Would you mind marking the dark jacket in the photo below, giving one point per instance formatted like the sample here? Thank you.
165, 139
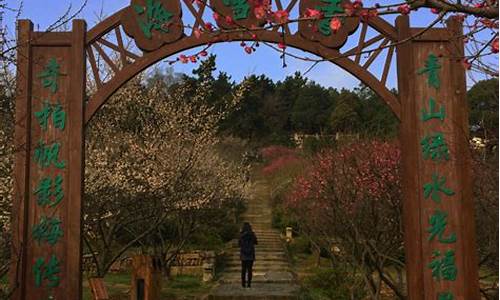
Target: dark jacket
247, 243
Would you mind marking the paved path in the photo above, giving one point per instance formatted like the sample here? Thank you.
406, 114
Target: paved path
272, 275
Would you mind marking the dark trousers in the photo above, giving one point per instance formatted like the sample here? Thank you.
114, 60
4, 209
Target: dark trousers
246, 272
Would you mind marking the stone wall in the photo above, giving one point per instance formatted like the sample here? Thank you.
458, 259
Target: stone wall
194, 263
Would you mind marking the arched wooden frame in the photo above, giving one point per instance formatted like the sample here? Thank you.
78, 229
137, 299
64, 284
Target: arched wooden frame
411, 46
126, 71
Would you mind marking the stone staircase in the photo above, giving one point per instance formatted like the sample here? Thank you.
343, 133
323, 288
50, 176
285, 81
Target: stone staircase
272, 275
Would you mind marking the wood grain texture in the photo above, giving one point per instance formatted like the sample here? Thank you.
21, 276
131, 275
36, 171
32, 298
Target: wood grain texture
415, 93
21, 159
68, 50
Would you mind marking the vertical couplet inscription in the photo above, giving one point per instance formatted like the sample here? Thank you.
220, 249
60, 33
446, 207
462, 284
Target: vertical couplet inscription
435, 151
49, 164
46, 224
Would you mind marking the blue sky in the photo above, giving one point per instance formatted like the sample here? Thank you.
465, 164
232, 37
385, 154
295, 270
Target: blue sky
230, 57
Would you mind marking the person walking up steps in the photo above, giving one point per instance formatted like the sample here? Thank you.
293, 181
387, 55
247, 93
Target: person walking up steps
247, 243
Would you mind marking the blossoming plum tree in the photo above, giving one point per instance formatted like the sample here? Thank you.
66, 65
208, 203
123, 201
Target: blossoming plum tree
150, 158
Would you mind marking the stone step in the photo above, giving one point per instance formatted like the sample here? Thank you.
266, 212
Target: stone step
260, 264
261, 256
270, 244
262, 226
268, 241
262, 260
258, 277
268, 236
269, 248
259, 251
258, 291
273, 278
258, 211
266, 231
230, 271
257, 222
235, 260
265, 237
255, 214
256, 202
263, 244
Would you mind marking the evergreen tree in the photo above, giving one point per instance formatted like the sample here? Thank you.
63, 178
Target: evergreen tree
483, 104
376, 117
346, 115
312, 109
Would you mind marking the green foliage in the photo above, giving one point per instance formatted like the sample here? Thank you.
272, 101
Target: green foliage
271, 113
312, 109
179, 287
313, 145
281, 220
333, 283
346, 115
299, 245
483, 103
377, 118
7, 103
185, 282
249, 121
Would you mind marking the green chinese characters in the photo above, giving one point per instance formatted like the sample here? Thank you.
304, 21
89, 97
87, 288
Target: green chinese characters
153, 17
435, 187
329, 10
432, 68
432, 113
48, 191
443, 265
47, 230
446, 296
47, 272
46, 155
437, 227
50, 75
58, 116
435, 148
241, 8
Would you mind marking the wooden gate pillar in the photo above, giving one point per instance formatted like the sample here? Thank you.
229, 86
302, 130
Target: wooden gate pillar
438, 207
48, 168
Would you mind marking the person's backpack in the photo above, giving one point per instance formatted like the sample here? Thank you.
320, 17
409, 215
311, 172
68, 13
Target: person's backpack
247, 244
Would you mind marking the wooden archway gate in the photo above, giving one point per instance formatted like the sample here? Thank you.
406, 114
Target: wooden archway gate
51, 113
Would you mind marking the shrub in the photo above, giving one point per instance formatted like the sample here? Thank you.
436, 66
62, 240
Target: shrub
313, 145
299, 245
333, 283
281, 220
